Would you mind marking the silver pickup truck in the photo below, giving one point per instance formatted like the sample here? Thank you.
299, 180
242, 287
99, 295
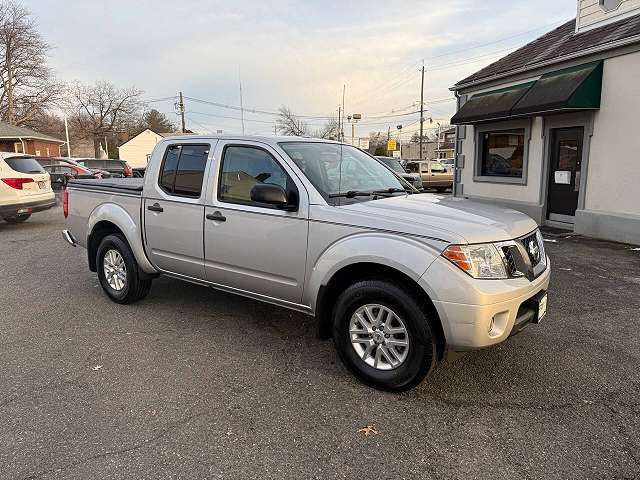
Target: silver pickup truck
397, 278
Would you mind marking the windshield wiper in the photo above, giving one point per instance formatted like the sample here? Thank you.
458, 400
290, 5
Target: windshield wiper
393, 190
351, 194
356, 193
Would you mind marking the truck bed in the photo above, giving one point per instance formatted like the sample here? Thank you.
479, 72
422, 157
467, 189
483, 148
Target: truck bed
131, 186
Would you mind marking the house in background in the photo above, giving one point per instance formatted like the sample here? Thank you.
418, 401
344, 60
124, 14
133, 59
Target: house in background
24, 140
446, 144
551, 129
137, 150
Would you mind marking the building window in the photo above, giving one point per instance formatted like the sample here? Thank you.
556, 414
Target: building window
609, 5
502, 153
18, 147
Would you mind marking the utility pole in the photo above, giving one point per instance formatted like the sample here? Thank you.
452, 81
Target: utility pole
181, 111
421, 110
241, 108
344, 89
106, 147
339, 121
66, 131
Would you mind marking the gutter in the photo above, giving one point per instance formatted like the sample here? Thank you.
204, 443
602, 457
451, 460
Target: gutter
553, 61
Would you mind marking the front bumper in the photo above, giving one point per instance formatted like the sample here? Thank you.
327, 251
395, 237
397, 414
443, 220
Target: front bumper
27, 207
481, 313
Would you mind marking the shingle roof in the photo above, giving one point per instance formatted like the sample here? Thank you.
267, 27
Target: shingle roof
11, 131
558, 44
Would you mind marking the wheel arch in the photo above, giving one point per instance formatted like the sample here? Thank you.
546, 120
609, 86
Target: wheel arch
349, 274
107, 219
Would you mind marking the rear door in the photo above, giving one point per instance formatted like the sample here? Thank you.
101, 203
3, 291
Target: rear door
174, 210
252, 247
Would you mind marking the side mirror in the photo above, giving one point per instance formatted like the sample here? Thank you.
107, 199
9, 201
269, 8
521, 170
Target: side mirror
271, 195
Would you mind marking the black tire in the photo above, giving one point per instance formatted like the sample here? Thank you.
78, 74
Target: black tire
22, 217
135, 288
422, 354
441, 189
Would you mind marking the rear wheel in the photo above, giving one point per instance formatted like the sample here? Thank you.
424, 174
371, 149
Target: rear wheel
118, 271
383, 335
441, 189
23, 217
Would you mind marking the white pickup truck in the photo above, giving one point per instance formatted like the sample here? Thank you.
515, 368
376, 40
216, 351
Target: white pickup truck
397, 278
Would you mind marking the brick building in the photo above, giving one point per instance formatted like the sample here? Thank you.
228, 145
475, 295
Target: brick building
24, 140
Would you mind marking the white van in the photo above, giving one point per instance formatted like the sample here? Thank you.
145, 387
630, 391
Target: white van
25, 187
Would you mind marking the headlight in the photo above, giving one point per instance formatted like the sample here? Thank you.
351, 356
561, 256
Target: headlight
479, 261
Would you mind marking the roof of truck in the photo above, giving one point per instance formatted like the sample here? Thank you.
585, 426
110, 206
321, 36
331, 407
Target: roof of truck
271, 139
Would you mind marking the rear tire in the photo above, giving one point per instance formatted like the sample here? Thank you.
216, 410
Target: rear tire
118, 271
23, 217
441, 189
406, 368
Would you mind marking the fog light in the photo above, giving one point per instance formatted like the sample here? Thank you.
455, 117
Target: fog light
491, 324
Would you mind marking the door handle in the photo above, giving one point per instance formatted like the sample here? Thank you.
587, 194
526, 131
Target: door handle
155, 208
216, 217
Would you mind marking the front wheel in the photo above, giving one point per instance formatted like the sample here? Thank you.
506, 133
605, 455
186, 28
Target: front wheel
383, 335
118, 271
23, 217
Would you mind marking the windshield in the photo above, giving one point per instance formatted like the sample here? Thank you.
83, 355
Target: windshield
393, 164
358, 172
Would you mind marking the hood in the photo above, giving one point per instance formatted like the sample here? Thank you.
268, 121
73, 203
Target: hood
451, 219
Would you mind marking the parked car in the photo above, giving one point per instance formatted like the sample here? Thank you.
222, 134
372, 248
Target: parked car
397, 279
433, 174
395, 166
61, 173
117, 168
25, 187
81, 170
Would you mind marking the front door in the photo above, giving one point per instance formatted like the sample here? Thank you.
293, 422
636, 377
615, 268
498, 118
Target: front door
564, 174
250, 247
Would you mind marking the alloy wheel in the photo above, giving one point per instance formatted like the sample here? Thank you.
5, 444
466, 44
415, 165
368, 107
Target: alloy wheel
379, 337
115, 270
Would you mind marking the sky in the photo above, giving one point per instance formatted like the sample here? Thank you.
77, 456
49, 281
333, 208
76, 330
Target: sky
299, 54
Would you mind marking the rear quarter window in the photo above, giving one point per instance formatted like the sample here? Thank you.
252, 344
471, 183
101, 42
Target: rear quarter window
24, 165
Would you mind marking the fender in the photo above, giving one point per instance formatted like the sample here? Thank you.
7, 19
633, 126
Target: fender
406, 254
113, 213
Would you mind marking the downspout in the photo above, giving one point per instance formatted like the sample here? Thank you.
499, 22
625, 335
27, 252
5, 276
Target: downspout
24, 147
454, 190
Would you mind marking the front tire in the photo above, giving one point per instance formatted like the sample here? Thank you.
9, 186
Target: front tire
383, 335
23, 217
118, 271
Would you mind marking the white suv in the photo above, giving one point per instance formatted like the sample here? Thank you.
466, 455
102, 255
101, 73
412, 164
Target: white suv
24, 187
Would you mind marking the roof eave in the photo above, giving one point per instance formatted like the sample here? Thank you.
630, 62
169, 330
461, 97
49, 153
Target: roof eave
31, 137
554, 61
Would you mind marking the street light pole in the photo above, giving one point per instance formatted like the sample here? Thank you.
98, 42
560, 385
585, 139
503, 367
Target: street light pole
421, 110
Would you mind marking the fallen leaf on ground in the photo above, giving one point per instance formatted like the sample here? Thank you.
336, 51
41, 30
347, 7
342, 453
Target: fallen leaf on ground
369, 430
548, 240
97, 367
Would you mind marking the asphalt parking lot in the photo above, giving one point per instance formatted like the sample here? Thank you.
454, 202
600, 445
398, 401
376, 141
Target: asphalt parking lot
194, 383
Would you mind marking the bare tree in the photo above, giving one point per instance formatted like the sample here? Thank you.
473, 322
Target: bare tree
28, 86
102, 109
330, 130
288, 124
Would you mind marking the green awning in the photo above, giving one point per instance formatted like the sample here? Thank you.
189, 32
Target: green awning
569, 90
493, 105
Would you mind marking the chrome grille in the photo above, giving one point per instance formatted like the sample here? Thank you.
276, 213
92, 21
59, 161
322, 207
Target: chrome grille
525, 256
532, 247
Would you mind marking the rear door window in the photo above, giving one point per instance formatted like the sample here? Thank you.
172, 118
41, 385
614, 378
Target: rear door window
24, 164
183, 168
